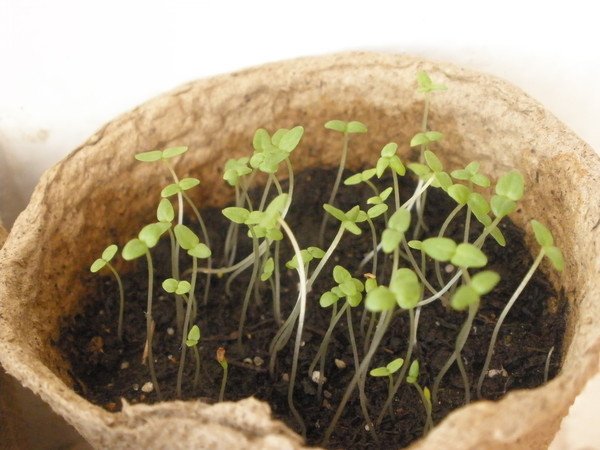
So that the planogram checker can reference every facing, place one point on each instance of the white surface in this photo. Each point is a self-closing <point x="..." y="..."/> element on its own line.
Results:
<point x="67" y="67"/>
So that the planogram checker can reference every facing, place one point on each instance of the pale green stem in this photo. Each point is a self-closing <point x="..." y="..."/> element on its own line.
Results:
<point x="427" y="405"/>
<point x="223" y="382"/>
<point x="121" y="301"/>
<point x="267" y="188"/>
<point x="175" y="274"/>
<point x="333" y="321"/>
<point x="503" y="315"/>
<point x="231" y="229"/>
<point x="149" y="322"/>
<point x="250" y="285"/>
<point x="467" y="225"/>
<point x="374" y="238"/>
<point x="441" y="233"/>
<point x="277" y="289"/>
<point x="322" y="359"/>
<point x="197" y="371"/>
<point x="186" y="326"/>
<point x="396" y="190"/>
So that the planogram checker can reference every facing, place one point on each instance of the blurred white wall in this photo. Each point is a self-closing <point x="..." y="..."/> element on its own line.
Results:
<point x="67" y="67"/>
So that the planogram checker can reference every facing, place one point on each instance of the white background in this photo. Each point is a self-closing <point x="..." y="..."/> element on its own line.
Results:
<point x="67" y="67"/>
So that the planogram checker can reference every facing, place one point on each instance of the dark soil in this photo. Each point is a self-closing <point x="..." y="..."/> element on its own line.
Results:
<point x="106" y="370"/>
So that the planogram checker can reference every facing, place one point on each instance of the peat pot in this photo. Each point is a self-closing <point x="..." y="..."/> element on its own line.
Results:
<point x="81" y="203"/>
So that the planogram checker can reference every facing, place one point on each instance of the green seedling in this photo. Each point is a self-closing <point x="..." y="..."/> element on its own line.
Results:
<point x="388" y="371"/>
<point x="433" y="170"/>
<point x="222" y="360"/>
<point x="347" y="129"/>
<point x="412" y="379"/>
<point x="104" y="261"/>
<point x="192" y="340"/>
<point x="236" y="171"/>
<point x="544" y="238"/>
<point x="389" y="159"/>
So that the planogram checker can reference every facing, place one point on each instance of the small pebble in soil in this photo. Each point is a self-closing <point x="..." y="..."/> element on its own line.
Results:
<point x="248" y="361"/>
<point x="170" y="331"/>
<point x="340" y="364"/>
<point x="258" y="361"/>
<point x="285" y="377"/>
<point x="136" y="387"/>
<point x="449" y="268"/>
<point x="147" y="387"/>
<point x="495" y="372"/>
<point x="124" y="365"/>
<point x="318" y="378"/>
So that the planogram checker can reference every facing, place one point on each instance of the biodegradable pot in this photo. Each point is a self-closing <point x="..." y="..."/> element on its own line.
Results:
<point x="99" y="193"/>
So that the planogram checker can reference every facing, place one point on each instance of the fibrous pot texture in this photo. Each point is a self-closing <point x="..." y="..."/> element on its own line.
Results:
<point x="100" y="194"/>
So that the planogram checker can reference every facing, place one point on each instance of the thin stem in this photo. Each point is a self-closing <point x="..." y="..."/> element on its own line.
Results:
<point x="427" y="405"/>
<point x="458" y="346"/>
<point x="175" y="274"/>
<point x="503" y="315"/>
<point x="333" y="321"/>
<point x="369" y="331"/>
<point x="263" y="199"/>
<point x="441" y="233"/>
<point x="277" y="290"/>
<point x="336" y="186"/>
<point x="374" y="239"/>
<point x="467" y="225"/>
<point x="328" y="253"/>
<point x="197" y="371"/>
<point x="223" y="382"/>
<point x="250" y="285"/>
<point x="227" y="247"/>
<point x="298" y="343"/>
<point x="465" y="378"/>
<point x="121" y="301"/>
<point x="396" y="190"/>
<point x="149" y="324"/>
<point x="186" y="326"/>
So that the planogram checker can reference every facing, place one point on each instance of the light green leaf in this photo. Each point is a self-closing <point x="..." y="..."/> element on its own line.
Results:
<point x="380" y="372"/>
<point x="170" y="190"/>
<point x="186" y="238"/>
<point x="165" y="211"/>
<point x="261" y="139"/>
<point x="354" y="300"/>
<point x="556" y="257"/>
<point x="405" y="285"/>
<point x="459" y="193"/>
<point x="97" y="265"/>
<point x="423" y="81"/>
<point x="348" y="287"/>
<point x="485" y="281"/>
<point x="200" y="251"/>
<point x="433" y="161"/>
<point x="542" y="234"/>
<point x="370" y="284"/>
<point x="400" y="220"/>
<point x="460" y="174"/>
<point x="385" y="193"/>
<point x="267" y="269"/>
<point x="419" y="139"/>
<point x="377" y="210"/>
<point x="154" y="155"/>
<point x="336" y="125"/>
<point x="472" y="167"/>
<point x="498" y="236"/>
<point x="478" y="204"/>
<point x="352" y="228"/>
<point x="183" y="287"/>
<point x="290" y="139"/>
<point x="417" y="245"/>
<point x="173" y="151"/>
<point x="440" y="249"/>
<point x="316" y="252"/>
<point x="511" y="185"/>
<point x="188" y="183"/>
<point x="380" y="299"/>
<point x="353" y="180"/>
<point x="395" y="365"/>
<point x="468" y="256"/>
<point x="502" y="206"/>
<point x="443" y="180"/>
<point x="278" y="135"/>
<point x="134" y="249"/>
<point x="389" y="150"/>
<point x="413" y="372"/>
<point x="341" y="275"/>
<point x="151" y="233"/>
<point x="337" y="213"/>
<point x="355" y="126"/>
<point x="236" y="215"/>
<point x="434" y="136"/>
<point x="397" y="166"/>
<point x="194" y="333"/>
<point x="328" y="299"/>
<point x="382" y="164"/>
<point x="480" y="180"/>
<point x="464" y="297"/>
<point x="390" y="240"/>
<point x="421" y="170"/>
<point x="109" y="252"/>
<point x="170" y="285"/>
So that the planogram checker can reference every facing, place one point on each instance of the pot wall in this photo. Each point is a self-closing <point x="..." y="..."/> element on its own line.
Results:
<point x="99" y="194"/>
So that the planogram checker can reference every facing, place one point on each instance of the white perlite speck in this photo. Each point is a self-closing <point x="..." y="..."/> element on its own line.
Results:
<point x="340" y="364"/>
<point x="148" y="387"/>
<point x="170" y="331"/>
<point x="318" y="378"/>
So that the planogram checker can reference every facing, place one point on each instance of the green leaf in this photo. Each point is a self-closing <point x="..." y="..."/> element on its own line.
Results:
<point x="340" y="274"/>
<point x="389" y="150"/>
<point x="315" y="252"/>
<point x="472" y="168"/>
<point x="278" y="135"/>
<point x="170" y="190"/>
<point x="417" y="245"/>
<point x="421" y="170"/>
<point x="336" y="125"/>
<point x="348" y="287"/>
<point x="478" y="204"/>
<point x="377" y="210"/>
<point x="511" y="185"/>
<point x="390" y="240"/>
<point x="352" y="227"/>
<point x="328" y="299"/>
<point x="183" y="287"/>
<point x="439" y="248"/>
<point x="165" y="211"/>
<point x="419" y="139"/>
<point x="188" y="183"/>
<point x="290" y="139"/>
<point x="433" y="161"/>
<point x="200" y="251"/>
<point x="267" y="269"/>
<point x="443" y="180"/>
<point x="109" y="252"/>
<point x="354" y="300"/>
<point x="423" y="80"/>
<point x="380" y="372"/>
<point x="151" y="233"/>
<point x="485" y="281"/>
<point x="186" y="238"/>
<point x="134" y="249"/>
<point x="173" y="151"/>
<point x="355" y="126"/>
<point x="459" y="193"/>
<point x="498" y="236"/>
<point x="236" y="215"/>
<point x="502" y="206"/>
<point x="405" y="285"/>
<point x="400" y="220"/>
<point x="395" y="365"/>
<point x="194" y="333"/>
<point x="542" y="234"/>
<point x="385" y="193"/>
<point x="460" y="174"/>
<point x="380" y="299"/>
<point x="337" y="213"/>
<point x="367" y="174"/>
<point x="413" y="372"/>
<point x="353" y="180"/>
<point x="556" y="257"/>
<point x="370" y="284"/>
<point x="480" y="180"/>
<point x="468" y="256"/>
<point x="261" y="139"/>
<point x="170" y="285"/>
<point x="382" y="164"/>
<point x="464" y="297"/>
<point x="397" y="166"/>
<point x="97" y="265"/>
<point x="154" y="155"/>
<point x="434" y="136"/>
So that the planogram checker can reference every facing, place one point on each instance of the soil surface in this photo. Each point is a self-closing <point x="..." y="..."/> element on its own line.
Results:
<point x="106" y="370"/>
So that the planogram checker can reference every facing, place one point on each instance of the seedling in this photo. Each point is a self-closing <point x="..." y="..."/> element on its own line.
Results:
<point x="388" y="371"/>
<point x="192" y="340"/>
<point x="412" y="379"/>
<point x="222" y="360"/>
<point x="104" y="261"/>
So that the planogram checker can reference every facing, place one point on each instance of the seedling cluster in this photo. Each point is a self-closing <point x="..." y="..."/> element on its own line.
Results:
<point x="397" y="281"/>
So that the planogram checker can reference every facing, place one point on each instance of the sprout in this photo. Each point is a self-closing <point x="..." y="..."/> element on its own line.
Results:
<point x="192" y="340"/>
<point x="104" y="261"/>
<point x="222" y="360"/>
<point x="412" y="379"/>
